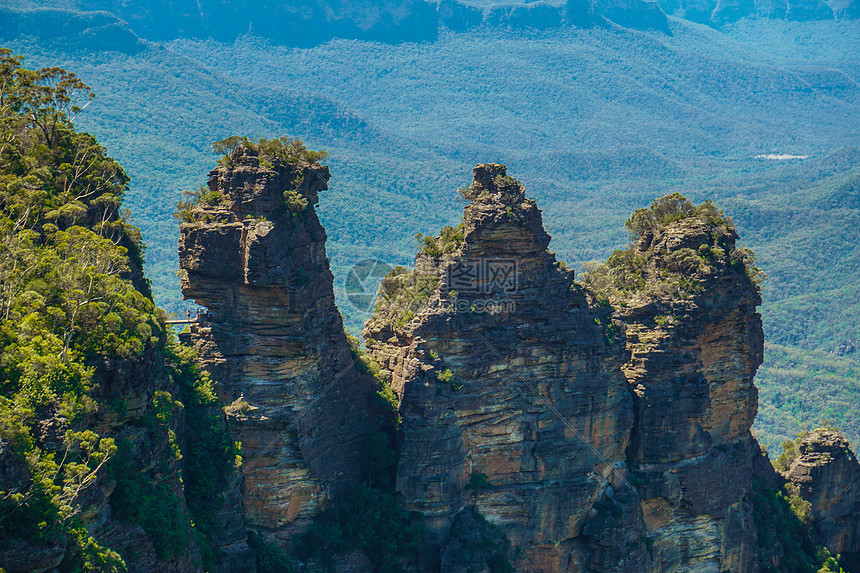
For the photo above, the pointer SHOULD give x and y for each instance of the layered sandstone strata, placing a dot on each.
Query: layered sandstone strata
(602, 426)
(695, 341)
(503, 368)
(827, 475)
(272, 338)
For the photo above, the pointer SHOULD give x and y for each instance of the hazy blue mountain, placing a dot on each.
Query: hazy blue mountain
(113, 24)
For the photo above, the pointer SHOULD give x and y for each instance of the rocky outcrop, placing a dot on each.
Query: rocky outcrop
(551, 424)
(599, 428)
(695, 342)
(827, 475)
(272, 338)
(510, 391)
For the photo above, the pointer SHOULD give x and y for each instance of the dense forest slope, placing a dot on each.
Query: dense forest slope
(111, 445)
(697, 105)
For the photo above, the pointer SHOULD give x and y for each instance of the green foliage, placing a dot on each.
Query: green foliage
(779, 517)
(66, 301)
(624, 272)
(49, 504)
(663, 211)
(801, 508)
(478, 482)
(294, 201)
(64, 293)
(84, 554)
(210, 458)
(402, 293)
(139, 499)
(202, 196)
(268, 557)
(284, 149)
(448, 241)
(829, 563)
(788, 455)
(445, 376)
(368, 519)
(387, 189)
(476, 543)
(163, 406)
(746, 259)
(676, 273)
(777, 524)
(272, 152)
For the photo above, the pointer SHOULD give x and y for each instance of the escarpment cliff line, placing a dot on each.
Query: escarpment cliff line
(253, 252)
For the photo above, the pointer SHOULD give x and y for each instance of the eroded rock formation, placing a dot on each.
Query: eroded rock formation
(272, 338)
(695, 342)
(553, 424)
(506, 370)
(827, 475)
(595, 436)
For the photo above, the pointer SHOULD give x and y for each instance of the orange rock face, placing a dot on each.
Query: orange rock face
(558, 425)
(273, 339)
(694, 350)
(612, 437)
(828, 477)
(512, 376)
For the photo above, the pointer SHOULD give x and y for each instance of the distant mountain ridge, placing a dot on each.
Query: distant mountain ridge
(115, 24)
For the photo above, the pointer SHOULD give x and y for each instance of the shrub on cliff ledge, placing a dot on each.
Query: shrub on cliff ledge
(448, 241)
(652, 269)
(403, 292)
(288, 150)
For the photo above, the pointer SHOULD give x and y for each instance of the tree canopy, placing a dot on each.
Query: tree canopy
(67, 299)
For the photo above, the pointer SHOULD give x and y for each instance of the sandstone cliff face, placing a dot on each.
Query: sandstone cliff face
(695, 342)
(602, 426)
(614, 437)
(273, 339)
(827, 474)
(503, 368)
